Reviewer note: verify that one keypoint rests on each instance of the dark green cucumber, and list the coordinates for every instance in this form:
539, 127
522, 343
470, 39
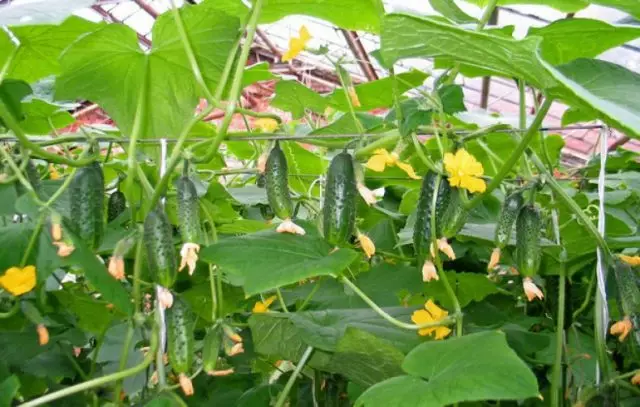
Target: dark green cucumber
161, 252
508, 215
211, 348
188, 210
180, 342
528, 253
339, 209
628, 290
276, 174
455, 214
422, 228
86, 194
116, 205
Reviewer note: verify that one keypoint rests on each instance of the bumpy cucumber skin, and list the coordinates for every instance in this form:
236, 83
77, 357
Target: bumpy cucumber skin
455, 215
627, 288
116, 205
86, 193
188, 210
508, 215
211, 349
422, 228
276, 174
161, 253
180, 342
339, 208
528, 253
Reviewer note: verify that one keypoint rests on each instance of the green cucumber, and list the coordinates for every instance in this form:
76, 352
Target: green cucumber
422, 229
628, 290
116, 205
508, 215
455, 214
180, 342
188, 210
339, 208
277, 181
161, 252
86, 194
211, 348
528, 252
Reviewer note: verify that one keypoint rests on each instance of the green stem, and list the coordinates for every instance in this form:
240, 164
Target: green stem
60, 190
443, 322
486, 14
33, 240
426, 160
282, 399
236, 84
100, 381
18, 173
587, 297
523, 124
308, 298
259, 115
144, 181
515, 155
383, 142
123, 362
137, 272
556, 380
212, 281
283, 304
12, 311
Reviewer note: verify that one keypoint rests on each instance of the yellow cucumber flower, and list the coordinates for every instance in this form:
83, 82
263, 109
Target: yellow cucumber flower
636, 378
431, 313
116, 267
531, 290
367, 244
19, 280
429, 272
43, 334
370, 196
185, 384
464, 171
630, 260
263, 306
287, 226
495, 259
382, 158
297, 44
189, 257
622, 328
266, 124
53, 173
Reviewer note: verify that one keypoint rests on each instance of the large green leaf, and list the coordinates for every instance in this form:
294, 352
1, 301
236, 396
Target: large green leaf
602, 86
14, 239
92, 314
111, 351
365, 359
43, 118
467, 286
109, 68
266, 260
41, 46
475, 367
405, 36
40, 11
566, 6
8, 390
362, 15
630, 6
449, 9
294, 97
566, 40
378, 93
303, 165
11, 94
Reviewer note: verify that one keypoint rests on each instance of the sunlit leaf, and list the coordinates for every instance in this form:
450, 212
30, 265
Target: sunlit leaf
43, 118
449, 9
294, 97
566, 6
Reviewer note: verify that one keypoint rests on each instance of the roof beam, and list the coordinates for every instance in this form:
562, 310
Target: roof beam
353, 41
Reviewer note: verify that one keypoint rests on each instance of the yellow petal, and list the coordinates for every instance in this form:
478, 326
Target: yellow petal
19, 280
408, 169
305, 36
630, 260
446, 248
297, 44
263, 306
429, 272
495, 259
43, 334
473, 184
266, 124
185, 384
116, 267
436, 312
353, 96
531, 290
621, 328
377, 163
53, 172
289, 227
450, 163
636, 379
367, 245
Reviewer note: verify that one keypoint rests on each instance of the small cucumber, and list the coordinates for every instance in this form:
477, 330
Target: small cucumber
188, 210
528, 253
211, 348
116, 205
339, 208
277, 181
86, 193
422, 228
455, 215
180, 342
161, 253
628, 290
508, 215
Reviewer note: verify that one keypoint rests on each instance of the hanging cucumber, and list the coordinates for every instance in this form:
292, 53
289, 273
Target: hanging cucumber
116, 205
161, 253
528, 252
339, 208
189, 215
455, 214
276, 175
86, 193
508, 215
629, 300
211, 349
422, 236
180, 342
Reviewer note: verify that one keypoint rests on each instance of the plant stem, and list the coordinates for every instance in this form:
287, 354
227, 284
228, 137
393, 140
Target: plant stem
283, 304
137, 271
18, 173
515, 155
308, 298
97, 381
523, 124
383, 142
426, 160
123, 361
486, 14
282, 399
443, 322
587, 297
556, 380
236, 84
60, 190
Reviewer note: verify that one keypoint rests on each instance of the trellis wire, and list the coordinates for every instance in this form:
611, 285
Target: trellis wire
601, 266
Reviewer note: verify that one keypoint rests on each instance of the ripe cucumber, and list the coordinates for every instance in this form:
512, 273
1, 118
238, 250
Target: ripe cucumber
161, 253
455, 215
277, 181
180, 342
528, 233
628, 290
339, 208
211, 348
116, 205
188, 210
86, 193
508, 215
422, 228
